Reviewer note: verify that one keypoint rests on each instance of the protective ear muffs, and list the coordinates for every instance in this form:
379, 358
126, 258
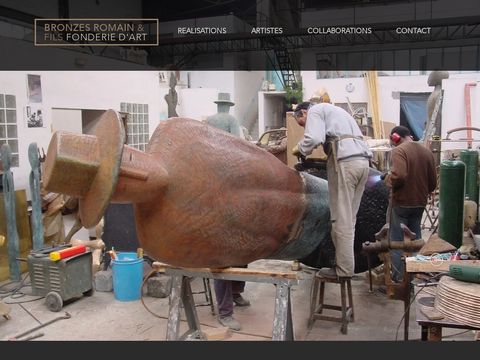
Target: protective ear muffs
395, 138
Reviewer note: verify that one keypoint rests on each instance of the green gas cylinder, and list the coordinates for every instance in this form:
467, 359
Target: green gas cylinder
452, 195
470, 158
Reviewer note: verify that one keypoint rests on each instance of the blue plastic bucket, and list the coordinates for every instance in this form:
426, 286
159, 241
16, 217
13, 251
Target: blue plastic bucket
127, 276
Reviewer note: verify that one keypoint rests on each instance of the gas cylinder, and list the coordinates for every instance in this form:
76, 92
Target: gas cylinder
470, 158
452, 195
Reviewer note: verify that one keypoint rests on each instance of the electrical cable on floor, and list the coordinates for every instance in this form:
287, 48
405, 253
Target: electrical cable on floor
413, 299
405, 313
10, 293
200, 323
16, 294
141, 296
29, 313
24, 301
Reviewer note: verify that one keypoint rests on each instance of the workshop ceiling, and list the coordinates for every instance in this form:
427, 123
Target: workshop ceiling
243, 9
175, 10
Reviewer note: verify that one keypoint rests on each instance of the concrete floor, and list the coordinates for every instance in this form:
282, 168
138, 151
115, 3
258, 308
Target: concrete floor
101, 317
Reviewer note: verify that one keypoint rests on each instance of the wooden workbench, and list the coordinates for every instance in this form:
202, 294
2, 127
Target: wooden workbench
182, 292
431, 320
414, 266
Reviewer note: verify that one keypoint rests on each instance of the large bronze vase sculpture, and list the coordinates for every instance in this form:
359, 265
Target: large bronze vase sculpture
202, 197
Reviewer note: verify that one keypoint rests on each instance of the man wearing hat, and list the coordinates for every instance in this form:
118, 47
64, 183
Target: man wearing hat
223, 120
347, 171
227, 292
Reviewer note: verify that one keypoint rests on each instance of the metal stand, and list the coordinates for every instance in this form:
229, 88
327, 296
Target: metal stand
13, 244
400, 290
208, 295
36, 223
181, 291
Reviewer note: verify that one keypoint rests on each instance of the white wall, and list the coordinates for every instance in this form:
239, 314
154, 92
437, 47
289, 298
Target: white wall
241, 85
453, 109
270, 111
97, 90
247, 85
224, 81
197, 103
454, 112
66, 120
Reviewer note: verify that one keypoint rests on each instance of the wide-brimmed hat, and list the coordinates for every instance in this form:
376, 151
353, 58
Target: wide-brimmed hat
224, 98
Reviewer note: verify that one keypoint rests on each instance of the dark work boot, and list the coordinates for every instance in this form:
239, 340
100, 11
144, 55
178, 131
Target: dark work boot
239, 300
229, 322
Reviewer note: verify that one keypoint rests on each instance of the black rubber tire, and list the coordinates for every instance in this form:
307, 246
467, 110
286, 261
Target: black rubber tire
54, 301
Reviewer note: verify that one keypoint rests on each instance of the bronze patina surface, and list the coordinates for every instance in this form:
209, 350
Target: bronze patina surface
205, 198
87, 166
202, 197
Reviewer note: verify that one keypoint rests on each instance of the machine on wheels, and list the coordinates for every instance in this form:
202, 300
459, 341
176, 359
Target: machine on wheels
60, 280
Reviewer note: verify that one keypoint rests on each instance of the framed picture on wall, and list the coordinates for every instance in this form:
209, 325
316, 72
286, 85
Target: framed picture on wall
34, 116
34, 88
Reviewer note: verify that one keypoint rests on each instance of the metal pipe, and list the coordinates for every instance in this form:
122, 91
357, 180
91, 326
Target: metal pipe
18, 336
468, 111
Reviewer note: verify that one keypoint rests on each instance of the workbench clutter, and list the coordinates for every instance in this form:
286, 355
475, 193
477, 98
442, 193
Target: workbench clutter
458, 299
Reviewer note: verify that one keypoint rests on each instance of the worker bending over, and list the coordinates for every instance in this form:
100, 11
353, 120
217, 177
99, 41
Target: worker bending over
347, 172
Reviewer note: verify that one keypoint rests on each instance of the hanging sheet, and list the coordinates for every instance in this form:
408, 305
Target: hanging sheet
414, 107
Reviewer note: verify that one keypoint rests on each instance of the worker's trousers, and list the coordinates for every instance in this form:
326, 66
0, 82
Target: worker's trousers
345, 190
224, 292
412, 218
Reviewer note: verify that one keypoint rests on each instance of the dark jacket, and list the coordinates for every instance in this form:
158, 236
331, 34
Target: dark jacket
413, 175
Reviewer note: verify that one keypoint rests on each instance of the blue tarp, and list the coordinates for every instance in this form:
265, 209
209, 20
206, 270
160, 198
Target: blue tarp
414, 107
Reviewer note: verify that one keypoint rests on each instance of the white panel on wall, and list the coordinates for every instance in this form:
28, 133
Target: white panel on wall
67, 120
198, 103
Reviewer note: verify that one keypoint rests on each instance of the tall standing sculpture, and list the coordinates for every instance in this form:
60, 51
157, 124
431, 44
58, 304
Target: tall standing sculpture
34, 181
172, 98
202, 197
13, 244
435, 79
222, 119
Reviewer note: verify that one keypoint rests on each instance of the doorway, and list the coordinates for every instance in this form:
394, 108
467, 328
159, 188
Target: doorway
413, 113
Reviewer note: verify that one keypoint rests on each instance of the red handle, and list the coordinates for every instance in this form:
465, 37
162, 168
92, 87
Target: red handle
65, 253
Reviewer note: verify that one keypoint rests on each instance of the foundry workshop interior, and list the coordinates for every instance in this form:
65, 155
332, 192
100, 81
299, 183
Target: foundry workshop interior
243, 170
129, 204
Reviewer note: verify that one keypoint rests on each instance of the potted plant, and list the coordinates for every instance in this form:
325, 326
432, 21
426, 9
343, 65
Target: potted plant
294, 95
